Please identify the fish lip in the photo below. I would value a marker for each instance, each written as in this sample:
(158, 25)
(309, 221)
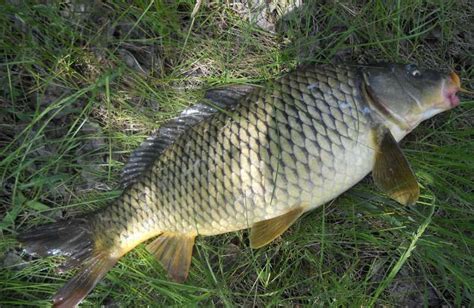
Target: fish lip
(452, 98)
(451, 86)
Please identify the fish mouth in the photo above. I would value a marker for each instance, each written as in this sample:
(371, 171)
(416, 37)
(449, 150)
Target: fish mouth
(451, 87)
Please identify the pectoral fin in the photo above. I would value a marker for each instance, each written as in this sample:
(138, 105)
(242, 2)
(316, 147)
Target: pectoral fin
(265, 231)
(392, 173)
(174, 251)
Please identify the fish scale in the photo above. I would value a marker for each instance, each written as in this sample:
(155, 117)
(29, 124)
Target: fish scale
(301, 140)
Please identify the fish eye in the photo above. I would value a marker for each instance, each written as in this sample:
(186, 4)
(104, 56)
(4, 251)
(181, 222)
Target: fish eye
(416, 73)
(413, 70)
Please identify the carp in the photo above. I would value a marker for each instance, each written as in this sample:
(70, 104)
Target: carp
(253, 157)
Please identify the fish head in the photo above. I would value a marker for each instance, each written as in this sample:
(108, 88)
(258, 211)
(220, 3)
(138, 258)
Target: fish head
(409, 94)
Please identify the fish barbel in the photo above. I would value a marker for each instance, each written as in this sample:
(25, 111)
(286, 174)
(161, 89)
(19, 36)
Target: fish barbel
(253, 157)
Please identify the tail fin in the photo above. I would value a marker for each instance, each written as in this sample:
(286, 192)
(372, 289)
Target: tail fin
(73, 239)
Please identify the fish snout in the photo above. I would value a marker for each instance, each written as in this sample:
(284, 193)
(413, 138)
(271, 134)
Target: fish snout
(453, 85)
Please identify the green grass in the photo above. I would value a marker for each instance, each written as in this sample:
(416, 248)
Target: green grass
(79, 91)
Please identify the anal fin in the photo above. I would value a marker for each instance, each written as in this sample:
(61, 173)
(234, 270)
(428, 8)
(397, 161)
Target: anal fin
(263, 232)
(174, 251)
(391, 171)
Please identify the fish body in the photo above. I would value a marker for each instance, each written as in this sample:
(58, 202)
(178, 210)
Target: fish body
(273, 154)
(304, 139)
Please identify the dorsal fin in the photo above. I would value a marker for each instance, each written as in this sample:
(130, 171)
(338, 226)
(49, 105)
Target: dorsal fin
(225, 98)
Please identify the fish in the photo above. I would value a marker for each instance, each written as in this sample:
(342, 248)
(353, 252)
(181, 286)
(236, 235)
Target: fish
(252, 157)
